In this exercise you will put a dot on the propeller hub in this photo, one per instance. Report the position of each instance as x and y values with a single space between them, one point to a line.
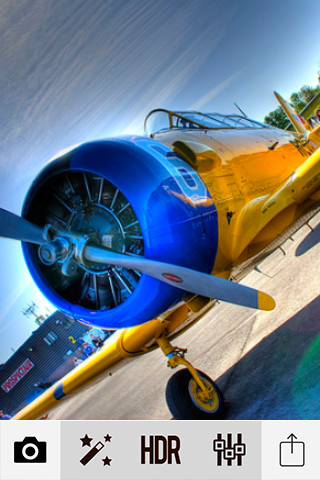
101 223
50 253
80 209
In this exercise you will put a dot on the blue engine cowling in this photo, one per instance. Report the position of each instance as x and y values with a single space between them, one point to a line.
102 185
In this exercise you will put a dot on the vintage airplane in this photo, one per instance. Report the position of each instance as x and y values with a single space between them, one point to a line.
144 234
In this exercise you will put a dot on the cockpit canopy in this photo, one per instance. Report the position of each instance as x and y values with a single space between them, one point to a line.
161 120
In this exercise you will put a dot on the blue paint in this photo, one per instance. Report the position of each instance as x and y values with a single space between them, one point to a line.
176 213
59 393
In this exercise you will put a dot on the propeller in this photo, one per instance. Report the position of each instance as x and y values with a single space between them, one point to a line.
185 278
14 227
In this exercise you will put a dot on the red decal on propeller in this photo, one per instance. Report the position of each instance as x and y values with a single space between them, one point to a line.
174 278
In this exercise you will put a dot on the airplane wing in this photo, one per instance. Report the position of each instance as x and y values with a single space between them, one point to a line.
298 120
116 352
96 367
305 180
309 109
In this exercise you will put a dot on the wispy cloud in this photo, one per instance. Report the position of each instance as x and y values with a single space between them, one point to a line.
87 70
205 99
96 66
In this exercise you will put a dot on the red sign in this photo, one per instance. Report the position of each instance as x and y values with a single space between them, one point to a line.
17 375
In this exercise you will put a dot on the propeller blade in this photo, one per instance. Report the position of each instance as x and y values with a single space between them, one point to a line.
14 227
17 228
185 278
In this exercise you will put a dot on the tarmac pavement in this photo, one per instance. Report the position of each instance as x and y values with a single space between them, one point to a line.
266 363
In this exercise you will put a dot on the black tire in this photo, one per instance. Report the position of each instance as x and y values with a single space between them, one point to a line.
180 403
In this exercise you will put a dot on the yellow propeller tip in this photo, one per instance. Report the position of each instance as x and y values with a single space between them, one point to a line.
265 302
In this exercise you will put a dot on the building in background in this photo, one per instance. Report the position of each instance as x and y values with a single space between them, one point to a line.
43 359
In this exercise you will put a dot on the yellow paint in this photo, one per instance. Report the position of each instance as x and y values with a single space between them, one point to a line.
265 302
133 340
197 303
251 184
123 344
314 136
299 123
208 403
175 358
258 192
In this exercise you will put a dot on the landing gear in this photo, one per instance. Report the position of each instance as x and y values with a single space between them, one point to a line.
186 401
190 393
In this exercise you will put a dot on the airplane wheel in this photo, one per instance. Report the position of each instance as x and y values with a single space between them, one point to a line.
184 402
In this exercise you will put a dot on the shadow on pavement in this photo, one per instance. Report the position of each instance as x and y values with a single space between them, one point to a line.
309 241
280 377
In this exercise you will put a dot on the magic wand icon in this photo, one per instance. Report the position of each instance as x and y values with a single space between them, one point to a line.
92 453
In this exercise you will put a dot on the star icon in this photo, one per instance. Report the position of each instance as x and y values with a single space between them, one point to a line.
86 441
107 438
106 461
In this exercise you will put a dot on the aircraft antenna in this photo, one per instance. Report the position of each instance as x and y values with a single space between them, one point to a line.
241 110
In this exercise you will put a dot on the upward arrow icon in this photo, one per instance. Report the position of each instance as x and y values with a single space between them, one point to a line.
292 452
292 436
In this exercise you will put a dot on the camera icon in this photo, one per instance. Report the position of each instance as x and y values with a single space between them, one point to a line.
30 451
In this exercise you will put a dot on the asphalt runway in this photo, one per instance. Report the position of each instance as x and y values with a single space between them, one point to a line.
266 363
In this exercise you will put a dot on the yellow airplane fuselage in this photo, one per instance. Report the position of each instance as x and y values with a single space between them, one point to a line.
261 181
242 169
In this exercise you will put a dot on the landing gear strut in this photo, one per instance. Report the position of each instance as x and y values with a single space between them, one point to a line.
190 393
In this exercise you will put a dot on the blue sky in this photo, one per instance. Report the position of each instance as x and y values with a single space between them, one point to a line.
74 70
